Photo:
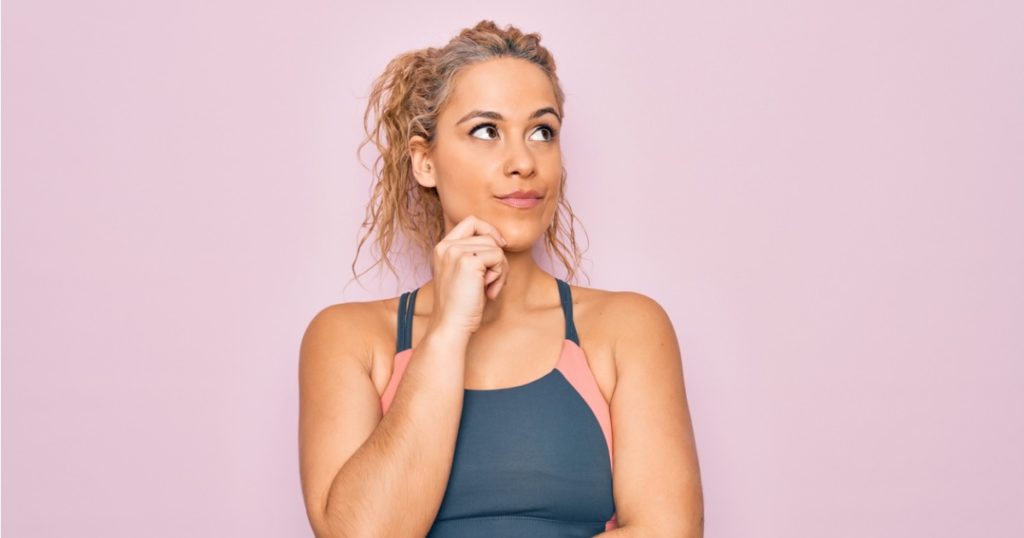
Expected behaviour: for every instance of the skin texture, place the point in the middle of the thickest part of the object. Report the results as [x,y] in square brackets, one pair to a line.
[628,337]
[472,163]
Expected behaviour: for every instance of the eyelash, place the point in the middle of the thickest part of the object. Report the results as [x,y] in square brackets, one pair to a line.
[552,130]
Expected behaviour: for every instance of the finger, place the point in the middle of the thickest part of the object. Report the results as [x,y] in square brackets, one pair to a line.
[445,245]
[491,276]
[500,283]
[504,277]
[488,258]
[471,226]
[501,270]
[494,289]
[491,259]
[487,245]
[481,240]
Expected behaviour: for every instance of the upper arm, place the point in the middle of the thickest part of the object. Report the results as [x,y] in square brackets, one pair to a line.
[338,404]
[656,477]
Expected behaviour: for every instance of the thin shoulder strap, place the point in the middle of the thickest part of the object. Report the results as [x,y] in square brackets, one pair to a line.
[565,294]
[406,309]
[400,333]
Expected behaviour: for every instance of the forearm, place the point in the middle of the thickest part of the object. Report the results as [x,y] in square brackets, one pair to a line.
[394,483]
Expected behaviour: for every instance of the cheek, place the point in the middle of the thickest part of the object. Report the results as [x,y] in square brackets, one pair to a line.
[549,213]
[464,172]
[463,194]
[459,191]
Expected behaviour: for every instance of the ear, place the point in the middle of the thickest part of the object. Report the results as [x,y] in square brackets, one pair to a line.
[422,169]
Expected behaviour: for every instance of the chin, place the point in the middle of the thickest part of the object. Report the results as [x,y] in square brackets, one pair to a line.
[517,244]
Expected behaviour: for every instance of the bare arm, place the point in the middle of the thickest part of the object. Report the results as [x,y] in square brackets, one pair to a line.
[656,478]
[363,474]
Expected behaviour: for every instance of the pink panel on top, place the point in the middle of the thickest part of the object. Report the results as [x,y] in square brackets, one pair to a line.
[576,368]
[400,363]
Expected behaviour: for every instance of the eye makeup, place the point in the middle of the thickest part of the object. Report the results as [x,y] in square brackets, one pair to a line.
[553,132]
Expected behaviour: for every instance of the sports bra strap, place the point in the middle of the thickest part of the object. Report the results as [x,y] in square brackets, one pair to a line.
[565,295]
[407,307]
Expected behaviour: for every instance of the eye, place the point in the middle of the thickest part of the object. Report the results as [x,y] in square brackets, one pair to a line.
[493,128]
[478,127]
[551,131]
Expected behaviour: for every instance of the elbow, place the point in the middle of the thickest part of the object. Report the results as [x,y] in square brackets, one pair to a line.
[328,527]
[693,528]
[324,530]
[324,527]
[672,528]
[687,528]
[320,527]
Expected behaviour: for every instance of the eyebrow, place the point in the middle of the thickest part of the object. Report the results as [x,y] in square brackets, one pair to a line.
[495,116]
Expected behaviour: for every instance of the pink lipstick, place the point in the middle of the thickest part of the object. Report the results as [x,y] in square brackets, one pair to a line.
[521,199]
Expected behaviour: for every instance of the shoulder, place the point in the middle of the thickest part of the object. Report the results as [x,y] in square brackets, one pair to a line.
[351,329]
[623,313]
[643,323]
[638,313]
[629,319]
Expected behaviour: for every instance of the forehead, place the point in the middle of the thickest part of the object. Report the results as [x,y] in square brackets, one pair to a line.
[512,87]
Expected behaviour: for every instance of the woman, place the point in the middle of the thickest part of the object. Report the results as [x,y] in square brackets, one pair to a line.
[494,400]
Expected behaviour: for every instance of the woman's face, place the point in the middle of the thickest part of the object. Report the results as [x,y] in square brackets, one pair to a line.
[498,133]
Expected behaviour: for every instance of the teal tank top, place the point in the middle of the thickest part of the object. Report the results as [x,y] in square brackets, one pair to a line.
[530,460]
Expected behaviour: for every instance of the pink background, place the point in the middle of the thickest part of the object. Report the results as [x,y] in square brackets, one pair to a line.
[826,197]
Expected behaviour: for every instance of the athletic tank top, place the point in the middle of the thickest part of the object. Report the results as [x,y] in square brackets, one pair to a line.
[530,460]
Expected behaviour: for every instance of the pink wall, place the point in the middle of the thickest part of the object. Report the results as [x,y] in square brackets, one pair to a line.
[826,197]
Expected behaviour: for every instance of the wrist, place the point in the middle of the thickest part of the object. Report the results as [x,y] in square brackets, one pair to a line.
[447,334]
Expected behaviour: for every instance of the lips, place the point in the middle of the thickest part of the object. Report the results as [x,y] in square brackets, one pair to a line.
[520,198]
[521,203]
[522,194]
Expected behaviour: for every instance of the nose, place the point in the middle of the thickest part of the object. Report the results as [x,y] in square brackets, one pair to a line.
[519,160]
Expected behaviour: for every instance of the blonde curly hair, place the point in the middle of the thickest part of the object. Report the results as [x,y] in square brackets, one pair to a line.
[405,101]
